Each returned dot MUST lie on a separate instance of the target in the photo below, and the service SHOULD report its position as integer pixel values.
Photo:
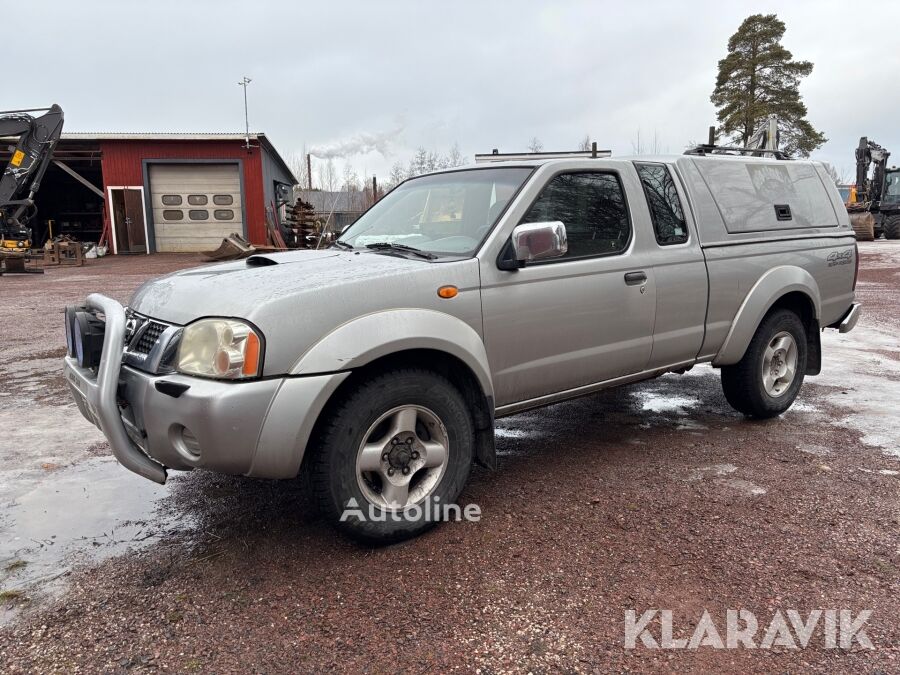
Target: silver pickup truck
(377, 367)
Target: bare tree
(535, 145)
(840, 177)
(328, 179)
(639, 147)
(424, 161)
(398, 175)
(454, 157)
(585, 144)
(350, 178)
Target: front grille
(149, 337)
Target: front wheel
(892, 227)
(393, 453)
(765, 382)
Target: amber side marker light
(448, 292)
(251, 356)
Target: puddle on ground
(866, 382)
(82, 513)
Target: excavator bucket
(863, 224)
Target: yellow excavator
(37, 136)
(874, 202)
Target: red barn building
(161, 192)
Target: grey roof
(158, 136)
(324, 201)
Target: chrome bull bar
(101, 392)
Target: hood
(297, 297)
(240, 288)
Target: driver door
(584, 318)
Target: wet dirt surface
(656, 495)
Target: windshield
(891, 187)
(444, 214)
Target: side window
(592, 207)
(665, 206)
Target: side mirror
(531, 242)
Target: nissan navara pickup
(375, 368)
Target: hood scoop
(266, 258)
(260, 261)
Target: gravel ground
(656, 495)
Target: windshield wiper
(388, 246)
(343, 244)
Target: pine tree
(759, 77)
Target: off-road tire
(743, 381)
(891, 226)
(333, 471)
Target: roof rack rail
(733, 150)
(497, 156)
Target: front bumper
(153, 422)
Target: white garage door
(195, 205)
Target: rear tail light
(856, 264)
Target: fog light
(191, 444)
(88, 340)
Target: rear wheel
(892, 227)
(765, 382)
(397, 441)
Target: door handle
(635, 278)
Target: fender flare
(369, 337)
(768, 289)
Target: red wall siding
(122, 166)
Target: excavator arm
(870, 154)
(37, 138)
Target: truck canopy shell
(743, 199)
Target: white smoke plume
(358, 144)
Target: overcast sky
(337, 75)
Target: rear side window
(592, 207)
(665, 206)
(748, 193)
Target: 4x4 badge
(840, 258)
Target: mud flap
(485, 450)
(814, 349)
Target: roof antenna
(243, 83)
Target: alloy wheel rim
(402, 457)
(779, 366)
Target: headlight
(221, 348)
